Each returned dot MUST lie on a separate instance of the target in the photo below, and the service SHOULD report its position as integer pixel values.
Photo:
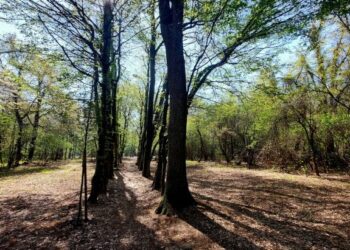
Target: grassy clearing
(24, 170)
(340, 180)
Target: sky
(134, 63)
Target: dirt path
(238, 209)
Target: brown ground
(238, 209)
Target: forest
(174, 124)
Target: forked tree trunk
(176, 194)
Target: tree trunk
(20, 124)
(18, 145)
(315, 153)
(123, 135)
(159, 176)
(116, 77)
(140, 155)
(1, 148)
(176, 195)
(204, 154)
(104, 158)
(146, 172)
(41, 94)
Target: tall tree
(176, 194)
(149, 126)
(104, 159)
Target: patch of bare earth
(237, 209)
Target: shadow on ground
(235, 210)
(273, 212)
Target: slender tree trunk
(19, 144)
(83, 187)
(11, 154)
(146, 172)
(315, 153)
(159, 176)
(116, 77)
(1, 148)
(41, 94)
(203, 149)
(176, 194)
(124, 134)
(20, 125)
(223, 148)
(140, 155)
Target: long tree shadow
(217, 233)
(34, 221)
(285, 189)
(46, 222)
(286, 229)
(119, 212)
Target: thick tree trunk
(176, 195)
(104, 159)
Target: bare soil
(237, 209)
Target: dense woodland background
(259, 84)
(258, 104)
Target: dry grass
(237, 209)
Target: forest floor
(237, 209)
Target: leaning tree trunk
(104, 158)
(176, 195)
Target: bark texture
(104, 158)
(176, 194)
